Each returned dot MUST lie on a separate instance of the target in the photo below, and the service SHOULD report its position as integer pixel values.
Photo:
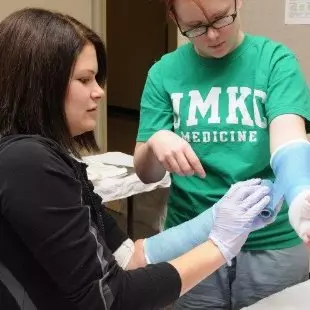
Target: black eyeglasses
(216, 24)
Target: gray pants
(254, 275)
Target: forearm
(290, 164)
(286, 128)
(178, 240)
(204, 260)
(152, 287)
(147, 166)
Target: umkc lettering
(209, 111)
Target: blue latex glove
(236, 215)
(180, 239)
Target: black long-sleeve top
(56, 243)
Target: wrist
(149, 146)
(139, 251)
(217, 249)
(150, 141)
(138, 259)
(222, 248)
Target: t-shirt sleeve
(41, 200)
(156, 112)
(288, 92)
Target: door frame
(99, 17)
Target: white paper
(113, 176)
(108, 165)
(99, 171)
(112, 158)
(297, 12)
(118, 188)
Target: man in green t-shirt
(212, 112)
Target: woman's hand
(175, 154)
(235, 216)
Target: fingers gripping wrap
(291, 166)
(276, 198)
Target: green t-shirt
(223, 108)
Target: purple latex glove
(236, 215)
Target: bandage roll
(276, 197)
(291, 166)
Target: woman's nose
(98, 93)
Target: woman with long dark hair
(59, 249)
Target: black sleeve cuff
(152, 287)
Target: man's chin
(213, 53)
(217, 55)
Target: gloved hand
(236, 215)
(177, 240)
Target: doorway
(138, 34)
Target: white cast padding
(299, 214)
(124, 253)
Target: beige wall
(90, 12)
(266, 17)
(81, 9)
(99, 24)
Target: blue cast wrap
(291, 166)
(180, 239)
(276, 195)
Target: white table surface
(293, 298)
